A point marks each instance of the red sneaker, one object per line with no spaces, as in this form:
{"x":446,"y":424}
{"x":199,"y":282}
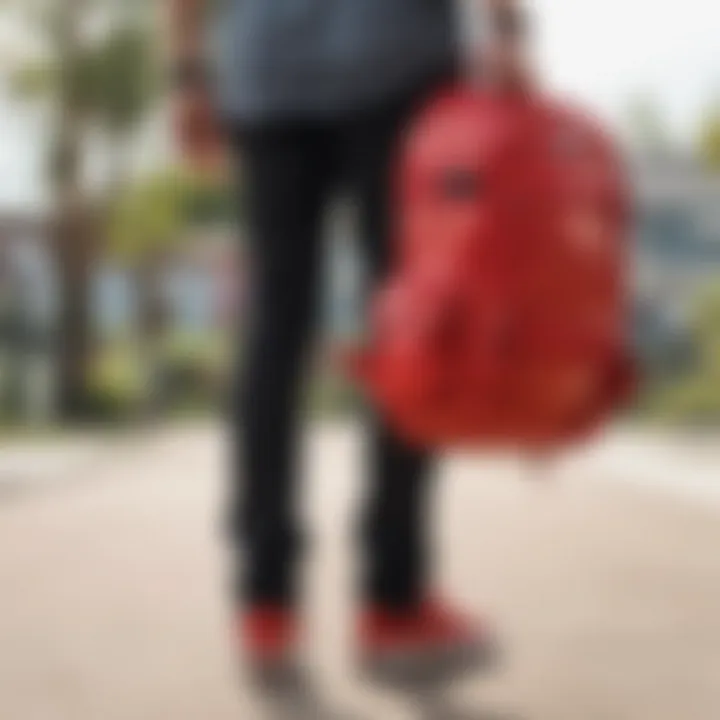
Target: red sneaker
{"x":432,"y":641}
{"x":268,"y":637}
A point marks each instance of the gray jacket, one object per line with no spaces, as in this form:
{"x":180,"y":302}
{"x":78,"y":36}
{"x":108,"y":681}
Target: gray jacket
{"x":280,"y":59}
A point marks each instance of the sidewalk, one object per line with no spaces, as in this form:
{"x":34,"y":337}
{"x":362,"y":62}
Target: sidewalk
{"x":29,"y":464}
{"x":41,"y":461}
{"x":680,"y":465}
{"x":684,"y":467}
{"x":112,"y":606}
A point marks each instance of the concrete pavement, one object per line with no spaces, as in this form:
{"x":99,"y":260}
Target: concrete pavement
{"x":607,"y":596}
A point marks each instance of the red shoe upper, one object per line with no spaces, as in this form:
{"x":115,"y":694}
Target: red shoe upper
{"x":268,"y":633}
{"x":431,"y":624}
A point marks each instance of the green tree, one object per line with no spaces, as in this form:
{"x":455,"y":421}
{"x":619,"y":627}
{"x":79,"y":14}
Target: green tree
{"x":100,"y":80}
{"x":706,"y":329}
{"x":149,"y":221}
{"x":695,"y":398}
{"x":709,"y":138}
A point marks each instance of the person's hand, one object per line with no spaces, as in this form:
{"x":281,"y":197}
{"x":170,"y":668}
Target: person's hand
{"x":505,"y":60}
{"x":506,"y":67}
{"x":196,"y":129}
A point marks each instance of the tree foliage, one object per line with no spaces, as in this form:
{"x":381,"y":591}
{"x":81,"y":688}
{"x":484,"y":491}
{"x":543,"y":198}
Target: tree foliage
{"x":149,"y":218}
{"x":709,"y":138}
{"x":695,"y":398}
{"x":94,"y":65}
{"x":109,"y":77}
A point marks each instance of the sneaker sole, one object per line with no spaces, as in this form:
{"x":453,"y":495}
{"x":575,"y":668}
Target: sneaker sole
{"x":445,"y":664}
{"x":283,"y":677}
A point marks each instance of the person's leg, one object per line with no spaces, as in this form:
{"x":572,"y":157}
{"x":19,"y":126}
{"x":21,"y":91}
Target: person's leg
{"x":394,"y":525}
{"x":284,"y":175}
{"x":405,"y":633}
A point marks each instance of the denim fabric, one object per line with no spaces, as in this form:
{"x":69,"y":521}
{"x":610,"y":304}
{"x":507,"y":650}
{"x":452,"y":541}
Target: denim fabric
{"x":285,"y":59}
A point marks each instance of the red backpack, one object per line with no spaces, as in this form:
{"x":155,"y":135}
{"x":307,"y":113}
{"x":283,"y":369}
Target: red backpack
{"x":503,"y":319}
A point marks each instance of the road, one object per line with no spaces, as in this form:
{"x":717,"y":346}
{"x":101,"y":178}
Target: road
{"x":606,"y":595}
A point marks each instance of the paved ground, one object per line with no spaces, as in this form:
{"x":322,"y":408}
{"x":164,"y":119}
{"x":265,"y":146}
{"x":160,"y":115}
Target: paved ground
{"x":607,"y":595}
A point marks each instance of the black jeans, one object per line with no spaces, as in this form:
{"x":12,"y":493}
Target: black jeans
{"x":290,"y":173}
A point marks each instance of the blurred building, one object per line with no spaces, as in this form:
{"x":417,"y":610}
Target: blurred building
{"x":677,"y":251}
{"x":27,"y":302}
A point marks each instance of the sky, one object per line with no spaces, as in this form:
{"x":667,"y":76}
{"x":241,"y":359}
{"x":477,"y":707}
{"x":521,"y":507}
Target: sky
{"x":607,"y":50}
{"x":601,"y":51}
